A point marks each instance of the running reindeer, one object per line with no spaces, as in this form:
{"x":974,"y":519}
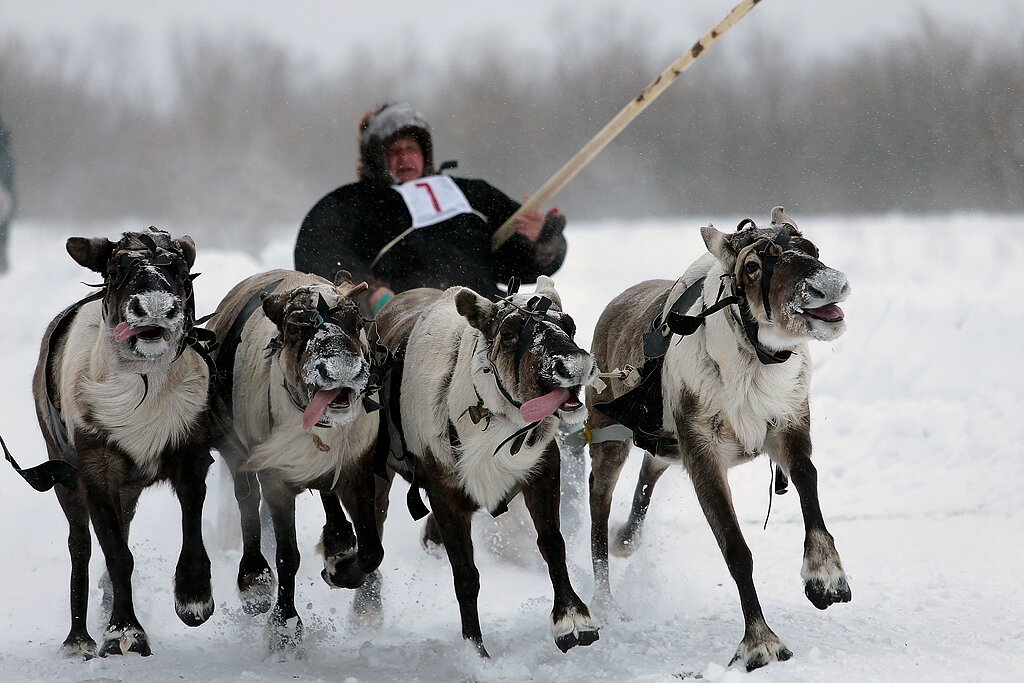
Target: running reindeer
{"x":295,"y":371}
{"x":122,"y":403}
{"x":732,"y":384}
{"x":479,"y":396}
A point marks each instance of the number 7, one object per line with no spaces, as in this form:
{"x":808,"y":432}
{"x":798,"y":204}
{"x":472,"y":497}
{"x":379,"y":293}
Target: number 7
{"x":433,"y":198}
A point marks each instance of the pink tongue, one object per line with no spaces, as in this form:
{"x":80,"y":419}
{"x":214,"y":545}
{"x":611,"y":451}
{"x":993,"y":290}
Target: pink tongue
{"x":315,"y":410}
{"x":830,"y":312}
{"x":538,"y":408}
{"x":124,"y":331}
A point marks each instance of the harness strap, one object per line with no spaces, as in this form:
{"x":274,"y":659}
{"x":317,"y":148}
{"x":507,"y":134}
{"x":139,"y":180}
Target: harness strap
{"x":229,"y":344}
{"x":586,"y":436}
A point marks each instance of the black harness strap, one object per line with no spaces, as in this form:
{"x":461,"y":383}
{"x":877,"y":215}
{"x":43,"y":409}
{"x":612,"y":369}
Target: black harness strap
{"x":229,"y":345}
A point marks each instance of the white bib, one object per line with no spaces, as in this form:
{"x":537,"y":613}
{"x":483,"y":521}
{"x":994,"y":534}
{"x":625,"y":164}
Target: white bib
{"x":433,"y":199}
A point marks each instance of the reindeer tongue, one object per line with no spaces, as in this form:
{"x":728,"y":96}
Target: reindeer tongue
{"x":829,"y":313}
{"x":124,"y":331}
{"x":538,"y":408}
{"x":315,"y":410}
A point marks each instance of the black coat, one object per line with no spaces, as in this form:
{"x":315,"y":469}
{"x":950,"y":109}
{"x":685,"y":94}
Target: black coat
{"x":349,"y":226}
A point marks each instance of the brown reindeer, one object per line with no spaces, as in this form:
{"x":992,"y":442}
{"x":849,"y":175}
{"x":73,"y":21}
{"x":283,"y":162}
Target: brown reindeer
{"x":294,"y":373}
{"x":483,"y":386}
{"x":725,"y":378}
{"x":121,"y":398}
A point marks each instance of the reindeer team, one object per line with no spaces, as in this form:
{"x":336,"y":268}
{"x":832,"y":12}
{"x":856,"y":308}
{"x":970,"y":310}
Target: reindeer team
{"x":459,"y":395}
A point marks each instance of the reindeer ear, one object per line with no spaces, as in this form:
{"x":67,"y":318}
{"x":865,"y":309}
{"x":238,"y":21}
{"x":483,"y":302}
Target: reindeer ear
{"x":719,"y":244}
{"x":273,"y":307}
{"x":546,"y":287}
{"x":91,"y":252}
{"x":342,"y":277}
{"x":187,"y":246}
{"x":474,"y":308}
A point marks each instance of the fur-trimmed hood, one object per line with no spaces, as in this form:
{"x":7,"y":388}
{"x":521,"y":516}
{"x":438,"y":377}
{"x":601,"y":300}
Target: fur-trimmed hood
{"x":379,"y":127}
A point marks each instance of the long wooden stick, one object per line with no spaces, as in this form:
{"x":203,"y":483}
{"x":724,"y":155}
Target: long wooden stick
{"x":562,"y":177}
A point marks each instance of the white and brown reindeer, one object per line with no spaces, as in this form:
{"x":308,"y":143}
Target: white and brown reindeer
{"x":483,"y":387}
{"x":726,"y":371}
{"x":294,"y":370}
{"x":122,"y":403}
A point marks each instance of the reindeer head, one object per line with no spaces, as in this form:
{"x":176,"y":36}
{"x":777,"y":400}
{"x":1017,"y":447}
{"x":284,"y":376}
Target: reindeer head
{"x":531,"y":350}
{"x":790,"y":294}
{"x":323,"y":351}
{"x":147,"y":305}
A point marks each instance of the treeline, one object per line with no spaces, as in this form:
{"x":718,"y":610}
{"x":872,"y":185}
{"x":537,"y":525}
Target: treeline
{"x":244,"y":136}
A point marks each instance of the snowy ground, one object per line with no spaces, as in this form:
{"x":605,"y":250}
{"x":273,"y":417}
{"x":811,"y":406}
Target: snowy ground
{"x":917,"y":427}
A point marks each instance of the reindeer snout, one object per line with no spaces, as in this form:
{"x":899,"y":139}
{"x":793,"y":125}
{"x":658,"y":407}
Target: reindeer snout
{"x":152,"y":308}
{"x":574,"y":370}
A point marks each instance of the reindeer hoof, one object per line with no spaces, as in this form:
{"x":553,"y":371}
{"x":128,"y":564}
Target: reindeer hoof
{"x":754,"y":653}
{"x":256,"y":590}
{"x":571,"y":640}
{"x":824,"y":595}
{"x":194,"y":613}
{"x":121,"y":641}
{"x":78,"y":647}
{"x":284,"y":635}
{"x":342,"y":571}
{"x":575,"y":627}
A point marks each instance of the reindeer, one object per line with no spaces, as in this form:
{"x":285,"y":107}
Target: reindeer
{"x":731,"y":385}
{"x":482,"y":388}
{"x":122,"y":404}
{"x":295,"y":371}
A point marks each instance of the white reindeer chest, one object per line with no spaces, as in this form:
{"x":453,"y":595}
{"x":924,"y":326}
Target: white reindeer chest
{"x":143,"y":421}
{"x":740,"y":398}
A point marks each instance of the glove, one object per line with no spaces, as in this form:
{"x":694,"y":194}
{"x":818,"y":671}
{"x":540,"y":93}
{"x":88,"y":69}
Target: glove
{"x":554,"y":224}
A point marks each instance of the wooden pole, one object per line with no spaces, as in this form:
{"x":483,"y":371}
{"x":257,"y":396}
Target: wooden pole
{"x":562,"y":177}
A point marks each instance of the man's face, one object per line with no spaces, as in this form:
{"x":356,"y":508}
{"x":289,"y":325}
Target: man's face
{"x":405,"y":159}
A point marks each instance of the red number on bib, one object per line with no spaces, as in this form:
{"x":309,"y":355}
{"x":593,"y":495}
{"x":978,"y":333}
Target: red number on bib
{"x":430,"y":191}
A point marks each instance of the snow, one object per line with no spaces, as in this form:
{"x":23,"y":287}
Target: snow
{"x":917,"y":431}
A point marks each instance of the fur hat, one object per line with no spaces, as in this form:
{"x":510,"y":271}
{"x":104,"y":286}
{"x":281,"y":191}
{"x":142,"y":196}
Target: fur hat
{"x":379,"y":128}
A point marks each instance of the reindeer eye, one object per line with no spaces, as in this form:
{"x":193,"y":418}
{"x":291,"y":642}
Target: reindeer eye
{"x":752,"y":267}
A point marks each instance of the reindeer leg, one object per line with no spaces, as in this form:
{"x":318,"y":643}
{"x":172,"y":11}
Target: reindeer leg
{"x":255,"y":579}
{"x":572,"y":623}
{"x":367,"y":603}
{"x":454,"y":522}
{"x":607,"y":459}
{"x":124,"y":633}
{"x":627,"y":537}
{"x":760,"y":645}
{"x":193,"y":593}
{"x":360,"y":496}
{"x":129,"y":505}
{"x":338,"y":546}
{"x":284,"y":624}
{"x":78,"y":644}
{"x":825,"y":582}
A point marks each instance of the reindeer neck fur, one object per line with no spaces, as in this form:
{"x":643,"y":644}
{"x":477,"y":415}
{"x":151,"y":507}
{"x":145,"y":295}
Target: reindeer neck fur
{"x":288,"y":449}
{"x":444,"y":375}
{"x":718,"y":365}
{"x":100,"y":393}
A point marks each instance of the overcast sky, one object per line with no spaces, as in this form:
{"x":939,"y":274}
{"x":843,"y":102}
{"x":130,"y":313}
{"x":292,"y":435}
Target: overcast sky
{"x":329,"y":30}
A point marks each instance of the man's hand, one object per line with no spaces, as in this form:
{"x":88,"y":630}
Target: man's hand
{"x":531,"y":223}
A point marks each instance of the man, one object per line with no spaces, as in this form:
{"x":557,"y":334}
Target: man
{"x":6,"y":191}
{"x":403,"y":226}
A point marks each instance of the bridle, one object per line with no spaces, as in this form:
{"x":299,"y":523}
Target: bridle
{"x":310,"y":320}
{"x":537,"y":309}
